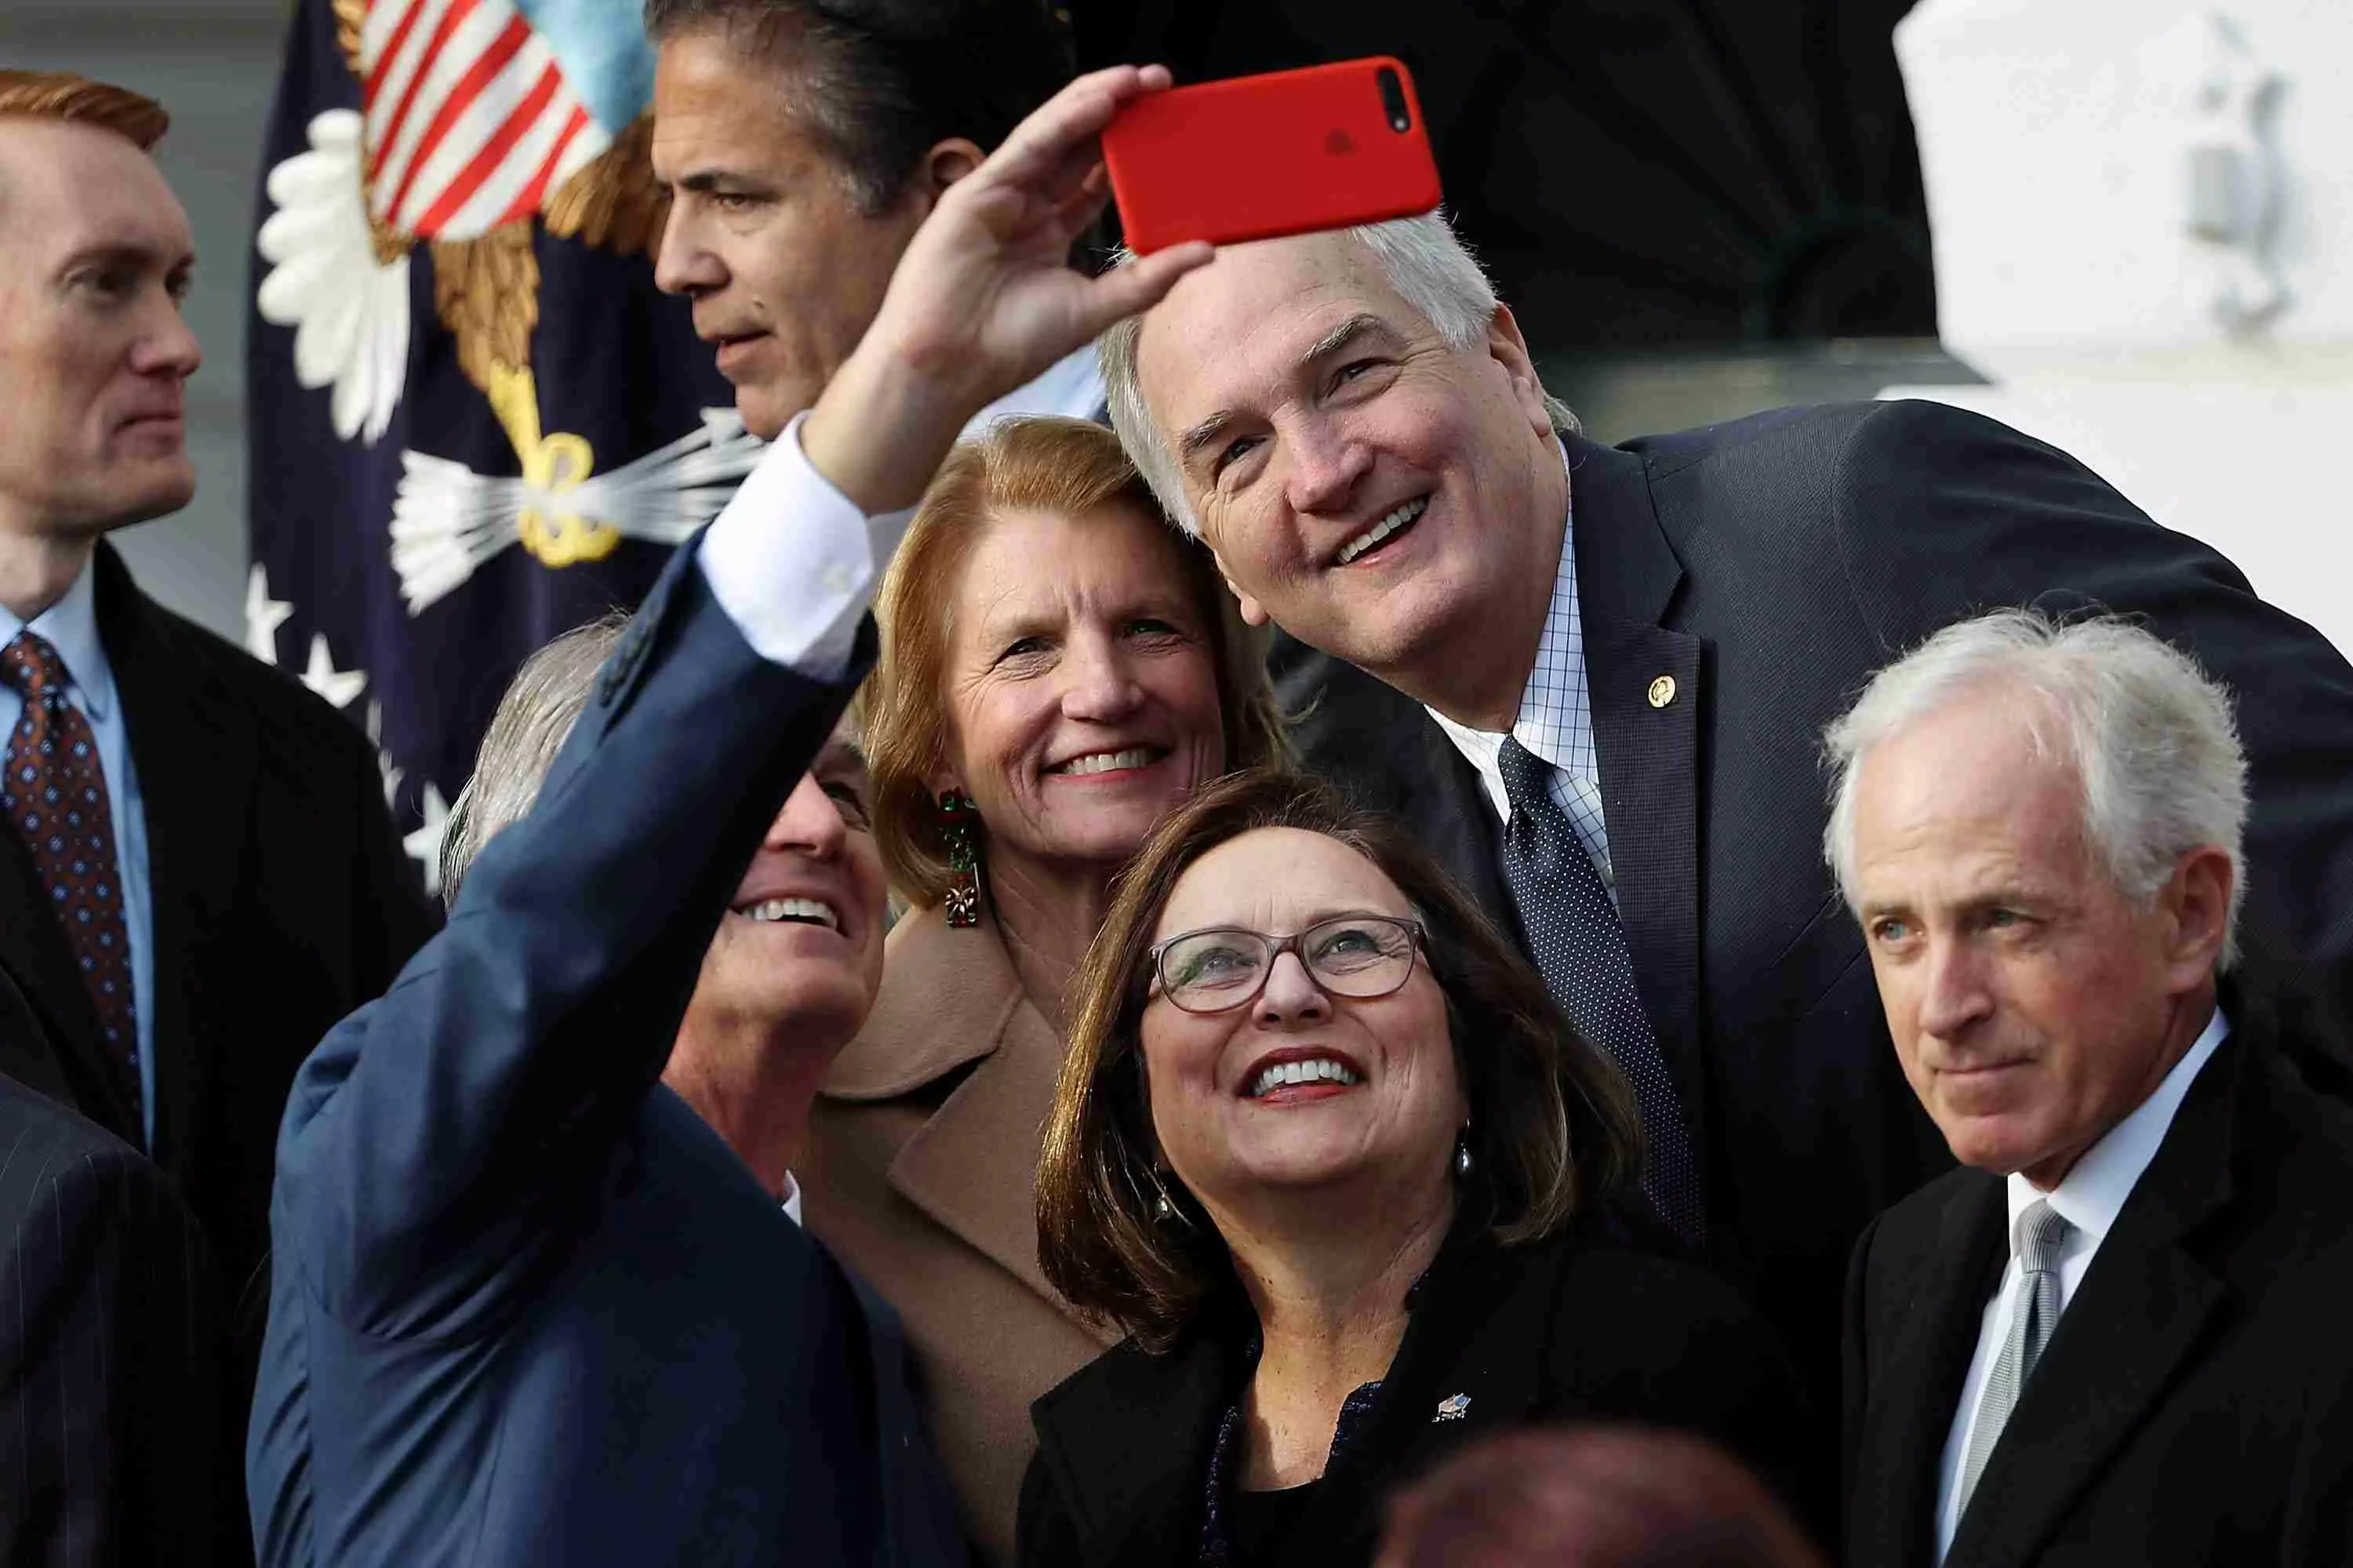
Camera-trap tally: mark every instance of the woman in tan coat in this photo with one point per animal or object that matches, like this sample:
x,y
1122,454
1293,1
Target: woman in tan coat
x,y
1061,670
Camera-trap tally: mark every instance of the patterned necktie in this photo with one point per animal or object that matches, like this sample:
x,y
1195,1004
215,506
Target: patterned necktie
x,y
55,793
2043,1237
1580,949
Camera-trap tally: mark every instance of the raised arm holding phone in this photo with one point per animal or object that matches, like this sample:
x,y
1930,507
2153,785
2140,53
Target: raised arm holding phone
x,y
528,1306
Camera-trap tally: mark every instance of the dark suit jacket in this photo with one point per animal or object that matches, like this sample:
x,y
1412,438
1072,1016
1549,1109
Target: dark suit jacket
x,y
526,1307
2195,1405
1770,566
1571,1328
281,898
116,1432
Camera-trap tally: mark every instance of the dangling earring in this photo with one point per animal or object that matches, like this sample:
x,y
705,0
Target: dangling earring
x,y
1165,1210
956,817
1462,1161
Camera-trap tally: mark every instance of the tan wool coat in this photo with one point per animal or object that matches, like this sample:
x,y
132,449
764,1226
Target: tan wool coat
x,y
921,1175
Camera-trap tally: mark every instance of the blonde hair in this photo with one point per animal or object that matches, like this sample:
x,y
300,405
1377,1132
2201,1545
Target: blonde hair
x,y
1067,467
60,95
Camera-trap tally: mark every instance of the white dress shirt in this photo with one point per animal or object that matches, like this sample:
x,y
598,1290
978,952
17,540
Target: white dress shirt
x,y
70,626
2088,1198
1556,717
1071,386
794,563
792,1198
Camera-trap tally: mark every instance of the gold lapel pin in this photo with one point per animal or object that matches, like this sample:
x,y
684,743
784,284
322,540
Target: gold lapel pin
x,y
1662,690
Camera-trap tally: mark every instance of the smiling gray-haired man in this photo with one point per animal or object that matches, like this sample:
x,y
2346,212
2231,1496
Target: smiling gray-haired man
x,y
1606,667
2117,1336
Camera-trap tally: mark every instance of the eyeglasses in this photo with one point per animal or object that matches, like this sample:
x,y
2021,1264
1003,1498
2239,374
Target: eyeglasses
x,y
1222,967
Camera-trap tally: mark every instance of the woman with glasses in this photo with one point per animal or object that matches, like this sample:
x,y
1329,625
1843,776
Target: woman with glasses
x,y
1324,1152
1059,670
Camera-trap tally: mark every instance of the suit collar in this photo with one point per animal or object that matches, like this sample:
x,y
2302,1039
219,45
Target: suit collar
x,y
1130,1437
186,730
1625,566
1917,1378
1128,1440
1647,686
950,999
2140,1312
953,1001
2092,1194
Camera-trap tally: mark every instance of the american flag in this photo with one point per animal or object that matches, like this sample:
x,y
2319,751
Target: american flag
x,y
473,422
470,117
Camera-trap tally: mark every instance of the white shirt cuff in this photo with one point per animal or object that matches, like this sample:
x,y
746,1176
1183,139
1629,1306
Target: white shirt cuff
x,y
794,563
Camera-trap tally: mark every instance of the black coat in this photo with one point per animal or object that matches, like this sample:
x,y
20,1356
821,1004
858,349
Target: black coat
x,y
1571,1327
2195,1405
1770,566
281,899
117,1435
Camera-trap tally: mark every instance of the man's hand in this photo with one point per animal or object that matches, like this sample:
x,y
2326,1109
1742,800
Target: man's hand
x,y
984,299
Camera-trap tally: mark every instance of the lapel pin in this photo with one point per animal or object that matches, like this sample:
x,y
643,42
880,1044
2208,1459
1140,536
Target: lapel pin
x,y
1453,1408
1662,690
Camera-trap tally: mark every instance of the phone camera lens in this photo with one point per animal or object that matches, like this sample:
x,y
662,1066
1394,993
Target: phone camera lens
x,y
1393,100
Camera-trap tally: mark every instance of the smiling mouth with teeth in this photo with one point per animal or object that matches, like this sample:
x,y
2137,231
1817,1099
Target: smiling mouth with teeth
x,y
1108,762
1387,528
1317,1070
799,911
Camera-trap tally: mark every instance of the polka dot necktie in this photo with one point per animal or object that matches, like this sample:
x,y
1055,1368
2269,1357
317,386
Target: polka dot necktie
x,y
1580,949
55,793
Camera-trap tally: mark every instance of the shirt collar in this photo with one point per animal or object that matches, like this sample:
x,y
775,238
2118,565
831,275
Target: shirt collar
x,y
792,1199
1559,666
2093,1190
70,626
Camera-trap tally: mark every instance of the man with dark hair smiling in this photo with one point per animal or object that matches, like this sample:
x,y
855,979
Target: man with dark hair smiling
x,y
803,141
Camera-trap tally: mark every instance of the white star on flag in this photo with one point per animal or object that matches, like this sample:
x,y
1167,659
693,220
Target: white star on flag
x,y
338,687
263,617
384,763
424,845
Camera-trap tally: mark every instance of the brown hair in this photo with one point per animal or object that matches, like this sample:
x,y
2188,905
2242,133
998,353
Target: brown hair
x,y
59,95
1610,1497
1553,1123
1064,466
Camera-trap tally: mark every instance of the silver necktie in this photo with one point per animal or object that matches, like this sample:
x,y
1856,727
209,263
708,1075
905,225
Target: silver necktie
x,y
2042,1237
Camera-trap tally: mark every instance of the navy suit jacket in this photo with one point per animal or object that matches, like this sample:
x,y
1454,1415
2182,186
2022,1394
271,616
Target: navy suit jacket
x,y
116,1429
526,1307
1770,566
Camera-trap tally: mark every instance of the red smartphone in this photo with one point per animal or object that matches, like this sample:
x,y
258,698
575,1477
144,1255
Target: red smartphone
x,y
1286,152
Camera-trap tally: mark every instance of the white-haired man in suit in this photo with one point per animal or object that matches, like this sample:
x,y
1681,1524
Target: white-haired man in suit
x,y
2114,1335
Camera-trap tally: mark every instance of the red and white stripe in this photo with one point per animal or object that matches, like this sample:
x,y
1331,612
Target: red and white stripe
x,y
469,120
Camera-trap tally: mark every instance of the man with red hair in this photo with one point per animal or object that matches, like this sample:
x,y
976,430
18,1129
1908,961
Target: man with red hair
x,y
198,874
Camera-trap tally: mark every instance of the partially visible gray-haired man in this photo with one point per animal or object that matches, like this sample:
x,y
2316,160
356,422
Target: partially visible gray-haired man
x,y
2115,1335
1598,674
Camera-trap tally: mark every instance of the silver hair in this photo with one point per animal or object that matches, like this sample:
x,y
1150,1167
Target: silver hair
x,y
1423,259
2152,738
533,719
